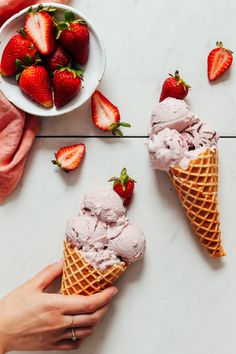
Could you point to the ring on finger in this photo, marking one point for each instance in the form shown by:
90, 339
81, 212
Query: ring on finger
74, 338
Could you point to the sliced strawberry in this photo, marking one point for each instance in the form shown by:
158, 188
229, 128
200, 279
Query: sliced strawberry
39, 28
123, 186
68, 158
35, 82
105, 115
66, 83
18, 48
174, 87
219, 60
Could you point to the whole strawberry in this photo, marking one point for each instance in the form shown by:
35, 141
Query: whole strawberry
58, 58
106, 115
123, 186
68, 158
219, 60
66, 84
175, 87
35, 82
74, 36
39, 28
18, 48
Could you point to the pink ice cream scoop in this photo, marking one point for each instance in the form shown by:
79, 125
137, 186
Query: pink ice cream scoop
108, 206
177, 135
171, 113
166, 149
199, 135
103, 233
129, 244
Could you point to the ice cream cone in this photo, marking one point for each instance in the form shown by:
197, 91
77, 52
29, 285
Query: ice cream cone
81, 278
197, 190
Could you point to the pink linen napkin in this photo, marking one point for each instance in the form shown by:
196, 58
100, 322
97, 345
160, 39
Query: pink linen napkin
17, 129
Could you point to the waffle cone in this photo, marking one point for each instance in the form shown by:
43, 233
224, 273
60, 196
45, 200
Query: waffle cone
197, 188
81, 278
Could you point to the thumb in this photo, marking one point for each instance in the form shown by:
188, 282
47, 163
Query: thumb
44, 278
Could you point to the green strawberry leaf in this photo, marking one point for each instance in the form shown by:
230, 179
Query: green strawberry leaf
123, 172
49, 9
81, 22
117, 132
19, 64
62, 25
79, 73
123, 124
28, 60
69, 16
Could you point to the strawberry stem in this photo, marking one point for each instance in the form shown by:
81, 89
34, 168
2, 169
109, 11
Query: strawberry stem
69, 16
219, 44
40, 8
180, 80
114, 128
62, 25
123, 179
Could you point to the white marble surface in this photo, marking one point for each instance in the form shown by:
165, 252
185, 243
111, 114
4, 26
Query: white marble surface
145, 40
178, 300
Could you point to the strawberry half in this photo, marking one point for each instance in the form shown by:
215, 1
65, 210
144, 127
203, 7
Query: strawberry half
74, 36
18, 48
66, 84
174, 87
123, 186
105, 115
219, 60
35, 82
39, 28
68, 158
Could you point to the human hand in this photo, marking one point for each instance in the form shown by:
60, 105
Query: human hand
33, 320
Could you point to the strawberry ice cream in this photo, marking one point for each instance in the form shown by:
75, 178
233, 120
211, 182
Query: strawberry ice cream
177, 135
103, 233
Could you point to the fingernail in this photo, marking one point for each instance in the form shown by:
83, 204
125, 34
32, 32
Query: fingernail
115, 291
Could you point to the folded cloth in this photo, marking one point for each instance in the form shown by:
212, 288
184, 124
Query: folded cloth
17, 129
17, 133
10, 7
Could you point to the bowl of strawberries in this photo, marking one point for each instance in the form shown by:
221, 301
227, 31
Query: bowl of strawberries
52, 59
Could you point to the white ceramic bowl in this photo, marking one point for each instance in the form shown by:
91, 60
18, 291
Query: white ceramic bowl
93, 71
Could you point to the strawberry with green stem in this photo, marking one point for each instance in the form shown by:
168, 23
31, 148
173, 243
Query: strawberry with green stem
34, 81
19, 48
123, 186
106, 115
73, 34
174, 87
66, 83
